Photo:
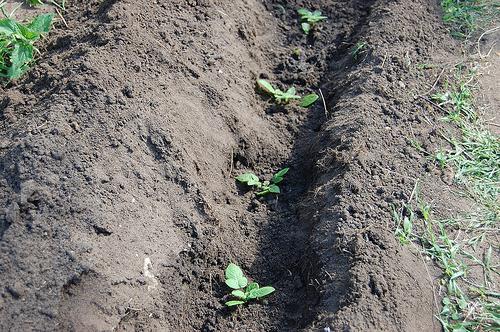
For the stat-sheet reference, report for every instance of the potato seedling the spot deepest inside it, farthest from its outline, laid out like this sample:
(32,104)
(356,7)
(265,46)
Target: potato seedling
(284,97)
(266,187)
(242,289)
(279,96)
(309,19)
(16,44)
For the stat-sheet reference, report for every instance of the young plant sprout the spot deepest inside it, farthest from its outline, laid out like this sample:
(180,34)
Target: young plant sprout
(16,44)
(265,187)
(242,289)
(309,19)
(358,49)
(284,97)
(279,96)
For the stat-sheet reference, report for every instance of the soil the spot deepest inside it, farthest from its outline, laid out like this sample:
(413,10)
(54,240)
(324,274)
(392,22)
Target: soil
(118,153)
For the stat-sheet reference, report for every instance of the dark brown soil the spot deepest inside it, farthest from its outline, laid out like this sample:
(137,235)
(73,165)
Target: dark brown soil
(121,146)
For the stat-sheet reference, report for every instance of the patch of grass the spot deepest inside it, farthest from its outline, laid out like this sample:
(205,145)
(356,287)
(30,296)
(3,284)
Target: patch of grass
(466,16)
(242,289)
(468,304)
(309,19)
(475,155)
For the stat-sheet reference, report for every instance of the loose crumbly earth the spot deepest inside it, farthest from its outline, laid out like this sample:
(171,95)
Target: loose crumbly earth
(118,153)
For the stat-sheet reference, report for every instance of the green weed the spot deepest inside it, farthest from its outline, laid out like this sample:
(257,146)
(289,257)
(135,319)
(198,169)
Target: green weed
(34,2)
(265,187)
(309,19)
(358,49)
(284,97)
(465,16)
(242,289)
(17,44)
(466,306)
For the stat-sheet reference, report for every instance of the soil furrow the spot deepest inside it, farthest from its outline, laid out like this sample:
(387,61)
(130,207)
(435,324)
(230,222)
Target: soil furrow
(119,153)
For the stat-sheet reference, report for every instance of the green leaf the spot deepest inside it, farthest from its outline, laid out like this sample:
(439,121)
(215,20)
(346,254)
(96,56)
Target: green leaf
(242,282)
(261,292)
(248,178)
(306,27)
(291,91)
(278,177)
(233,283)
(41,23)
(28,34)
(274,189)
(303,12)
(266,86)
(238,293)
(8,27)
(233,271)
(252,286)
(233,303)
(21,56)
(263,192)
(308,100)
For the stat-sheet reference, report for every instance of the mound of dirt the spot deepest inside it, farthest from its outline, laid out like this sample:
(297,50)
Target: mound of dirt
(118,153)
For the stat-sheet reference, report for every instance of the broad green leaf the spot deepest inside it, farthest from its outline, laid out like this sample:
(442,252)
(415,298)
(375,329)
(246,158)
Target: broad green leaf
(8,27)
(274,189)
(233,283)
(308,100)
(306,27)
(233,271)
(316,13)
(278,177)
(41,23)
(233,303)
(266,86)
(252,286)
(238,293)
(242,282)
(21,56)
(261,292)
(303,12)
(28,34)
(291,91)
(248,178)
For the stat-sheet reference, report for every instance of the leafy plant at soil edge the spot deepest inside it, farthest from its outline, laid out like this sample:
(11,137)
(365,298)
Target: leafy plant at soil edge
(309,19)
(243,290)
(266,187)
(17,44)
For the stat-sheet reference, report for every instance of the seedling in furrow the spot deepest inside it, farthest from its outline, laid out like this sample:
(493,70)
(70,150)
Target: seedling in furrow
(358,49)
(242,289)
(309,19)
(17,44)
(284,97)
(266,187)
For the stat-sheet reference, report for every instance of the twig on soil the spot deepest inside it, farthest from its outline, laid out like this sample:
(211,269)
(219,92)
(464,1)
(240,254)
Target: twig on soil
(481,37)
(435,83)
(324,103)
(433,103)
(62,17)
